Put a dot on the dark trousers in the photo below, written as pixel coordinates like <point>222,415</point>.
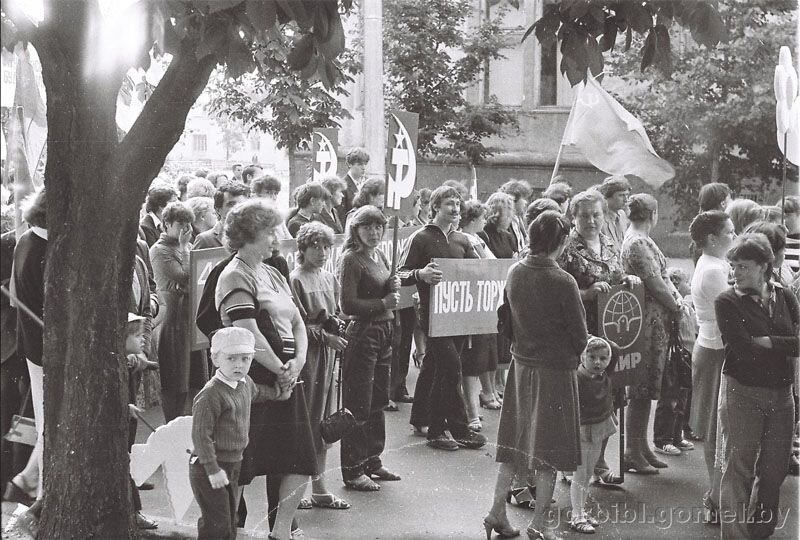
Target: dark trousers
<point>401,347</point>
<point>366,367</point>
<point>217,506</point>
<point>438,401</point>
<point>670,418</point>
<point>14,383</point>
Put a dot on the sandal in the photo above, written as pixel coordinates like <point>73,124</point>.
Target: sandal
<point>304,504</point>
<point>582,526</point>
<point>384,474</point>
<point>607,479</point>
<point>362,483</point>
<point>475,425</point>
<point>391,407</point>
<point>491,404</point>
<point>331,501</point>
<point>544,534</point>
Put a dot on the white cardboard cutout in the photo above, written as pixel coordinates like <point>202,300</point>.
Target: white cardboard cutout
<point>168,447</point>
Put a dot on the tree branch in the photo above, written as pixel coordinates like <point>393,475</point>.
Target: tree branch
<point>163,118</point>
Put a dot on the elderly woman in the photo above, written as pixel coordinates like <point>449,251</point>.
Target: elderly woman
<point>369,294</point>
<point>642,257</point>
<point>316,291</point>
<point>170,259</point>
<point>711,232</point>
<point>503,245</point>
<point>479,357</point>
<point>252,295</point>
<point>593,259</point>
<point>538,432</point>
<point>205,218</point>
<point>759,321</point>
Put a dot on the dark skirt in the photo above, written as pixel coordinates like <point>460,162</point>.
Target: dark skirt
<point>174,342</point>
<point>281,440</point>
<point>479,355</point>
<point>539,423</point>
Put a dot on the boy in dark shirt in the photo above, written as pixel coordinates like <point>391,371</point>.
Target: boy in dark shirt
<point>220,425</point>
<point>438,403</point>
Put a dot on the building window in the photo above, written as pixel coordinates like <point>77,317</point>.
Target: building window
<point>199,142</point>
<point>549,72</point>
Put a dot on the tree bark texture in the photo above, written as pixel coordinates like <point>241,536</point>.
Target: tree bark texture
<point>95,188</point>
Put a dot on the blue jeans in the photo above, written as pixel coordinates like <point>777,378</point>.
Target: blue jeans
<point>756,425</point>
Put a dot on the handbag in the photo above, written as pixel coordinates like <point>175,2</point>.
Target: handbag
<point>338,424</point>
<point>23,429</point>
<point>678,368</point>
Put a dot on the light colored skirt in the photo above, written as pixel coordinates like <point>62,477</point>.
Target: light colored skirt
<point>539,422</point>
<point>706,375</point>
<point>599,431</point>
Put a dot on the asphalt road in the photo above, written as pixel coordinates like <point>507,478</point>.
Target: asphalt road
<point>446,494</point>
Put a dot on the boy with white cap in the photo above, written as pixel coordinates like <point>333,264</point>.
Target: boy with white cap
<point>220,425</point>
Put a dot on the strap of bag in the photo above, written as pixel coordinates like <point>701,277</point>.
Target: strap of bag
<point>339,382</point>
<point>330,391</point>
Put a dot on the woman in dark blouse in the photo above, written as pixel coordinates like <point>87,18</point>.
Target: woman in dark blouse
<point>759,321</point>
<point>369,294</point>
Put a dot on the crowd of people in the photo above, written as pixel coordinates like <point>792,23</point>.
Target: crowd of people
<point>291,340</point>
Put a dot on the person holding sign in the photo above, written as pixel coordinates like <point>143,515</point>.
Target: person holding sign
<point>539,422</point>
<point>642,257</point>
<point>593,259</point>
<point>369,294</point>
<point>437,401</point>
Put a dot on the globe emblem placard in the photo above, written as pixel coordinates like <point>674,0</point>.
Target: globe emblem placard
<point>622,318</point>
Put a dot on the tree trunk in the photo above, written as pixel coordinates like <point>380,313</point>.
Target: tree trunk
<point>95,187</point>
<point>714,154</point>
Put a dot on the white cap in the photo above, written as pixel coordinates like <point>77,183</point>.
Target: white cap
<point>233,340</point>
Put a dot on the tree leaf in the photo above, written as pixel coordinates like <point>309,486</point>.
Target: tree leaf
<point>574,9</point>
<point>649,49</point>
<point>663,56</point>
<point>220,5</point>
<point>261,13</point>
<point>594,56</point>
<point>334,45</point>
<point>609,36</point>
<point>301,52</point>
<point>638,17</point>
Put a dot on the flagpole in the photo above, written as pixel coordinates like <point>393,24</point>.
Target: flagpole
<point>566,130</point>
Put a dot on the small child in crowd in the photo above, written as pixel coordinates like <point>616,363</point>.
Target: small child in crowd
<point>688,329</point>
<point>597,424</point>
<point>136,362</point>
<point>220,426</point>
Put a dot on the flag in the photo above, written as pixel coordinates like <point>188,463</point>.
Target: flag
<point>611,138</point>
<point>31,113</point>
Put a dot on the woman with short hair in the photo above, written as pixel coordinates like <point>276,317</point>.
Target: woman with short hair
<point>369,295</point>
<point>592,258</point>
<point>170,259</point>
<point>643,258</point>
<point>711,232</point>
<point>759,321</point>
<point>253,295</point>
<point>316,292</point>
<point>205,218</point>
<point>479,357</point>
<point>538,432</point>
